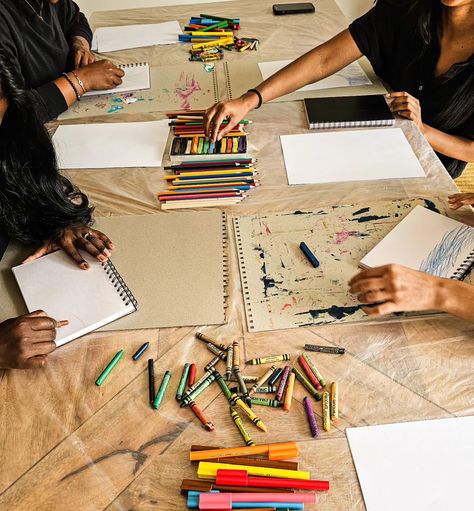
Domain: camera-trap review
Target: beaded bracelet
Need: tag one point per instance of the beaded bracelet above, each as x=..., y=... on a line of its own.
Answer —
x=71, y=83
x=260, y=99
x=79, y=81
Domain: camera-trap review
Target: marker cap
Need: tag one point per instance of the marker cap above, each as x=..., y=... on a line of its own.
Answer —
x=232, y=477
x=216, y=501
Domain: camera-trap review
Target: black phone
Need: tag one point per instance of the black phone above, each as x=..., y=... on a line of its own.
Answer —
x=280, y=9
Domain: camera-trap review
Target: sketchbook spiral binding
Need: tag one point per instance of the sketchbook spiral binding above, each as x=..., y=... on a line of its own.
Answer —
x=225, y=260
x=464, y=268
x=132, y=64
x=352, y=124
x=119, y=284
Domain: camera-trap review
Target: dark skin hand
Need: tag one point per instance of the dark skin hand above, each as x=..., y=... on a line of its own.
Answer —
x=26, y=341
x=74, y=238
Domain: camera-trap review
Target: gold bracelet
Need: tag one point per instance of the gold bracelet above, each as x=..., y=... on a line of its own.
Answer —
x=79, y=81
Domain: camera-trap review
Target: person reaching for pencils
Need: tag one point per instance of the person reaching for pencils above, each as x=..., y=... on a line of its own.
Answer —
x=423, y=49
x=37, y=206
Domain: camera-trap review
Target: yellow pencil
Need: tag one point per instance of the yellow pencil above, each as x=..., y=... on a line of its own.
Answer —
x=289, y=392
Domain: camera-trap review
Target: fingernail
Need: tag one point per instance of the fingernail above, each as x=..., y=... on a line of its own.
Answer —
x=84, y=266
x=111, y=245
x=63, y=322
x=106, y=252
x=102, y=258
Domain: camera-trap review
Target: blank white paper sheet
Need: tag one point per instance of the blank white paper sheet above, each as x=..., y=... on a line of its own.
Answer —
x=135, y=36
x=137, y=77
x=416, y=466
x=352, y=155
x=111, y=145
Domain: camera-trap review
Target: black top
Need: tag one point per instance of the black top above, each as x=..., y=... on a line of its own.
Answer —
x=3, y=242
x=387, y=36
x=40, y=49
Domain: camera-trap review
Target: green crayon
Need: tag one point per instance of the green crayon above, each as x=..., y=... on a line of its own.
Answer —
x=313, y=368
x=240, y=426
x=162, y=390
x=269, y=360
x=182, y=382
x=211, y=364
x=197, y=384
x=195, y=393
x=265, y=402
x=109, y=368
x=306, y=383
x=217, y=352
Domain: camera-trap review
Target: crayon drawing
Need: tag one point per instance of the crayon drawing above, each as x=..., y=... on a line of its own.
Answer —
x=444, y=256
x=282, y=289
x=186, y=86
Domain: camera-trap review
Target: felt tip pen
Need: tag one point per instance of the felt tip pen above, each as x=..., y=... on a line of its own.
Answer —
x=140, y=351
x=109, y=368
x=309, y=255
x=151, y=381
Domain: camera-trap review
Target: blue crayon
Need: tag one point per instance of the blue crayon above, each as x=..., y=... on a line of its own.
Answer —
x=309, y=255
x=140, y=351
x=275, y=376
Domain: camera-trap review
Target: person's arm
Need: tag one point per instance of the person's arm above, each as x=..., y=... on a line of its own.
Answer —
x=394, y=288
x=322, y=61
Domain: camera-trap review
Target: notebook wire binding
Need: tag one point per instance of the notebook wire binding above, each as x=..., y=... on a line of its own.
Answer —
x=119, y=284
x=352, y=124
x=464, y=268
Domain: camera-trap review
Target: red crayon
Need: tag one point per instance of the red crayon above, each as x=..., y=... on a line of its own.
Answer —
x=192, y=375
x=309, y=373
x=200, y=415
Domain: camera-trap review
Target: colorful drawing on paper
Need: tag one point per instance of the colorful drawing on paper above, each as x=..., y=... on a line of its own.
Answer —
x=185, y=88
x=282, y=289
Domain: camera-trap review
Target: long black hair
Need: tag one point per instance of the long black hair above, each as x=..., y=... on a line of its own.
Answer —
x=36, y=202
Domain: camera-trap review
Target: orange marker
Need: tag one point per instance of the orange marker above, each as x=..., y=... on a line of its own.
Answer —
x=279, y=451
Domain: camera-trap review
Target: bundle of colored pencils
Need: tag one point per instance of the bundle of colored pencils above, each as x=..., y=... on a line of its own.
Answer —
x=232, y=478
x=220, y=178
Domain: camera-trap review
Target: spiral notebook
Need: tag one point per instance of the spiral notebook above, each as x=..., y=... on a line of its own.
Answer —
x=137, y=77
x=99, y=295
x=427, y=241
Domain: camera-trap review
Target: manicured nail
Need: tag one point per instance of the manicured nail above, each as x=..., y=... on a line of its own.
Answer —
x=63, y=322
x=102, y=258
x=106, y=252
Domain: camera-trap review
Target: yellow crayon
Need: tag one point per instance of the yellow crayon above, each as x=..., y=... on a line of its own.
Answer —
x=334, y=401
x=262, y=380
x=210, y=44
x=289, y=392
x=269, y=360
x=250, y=413
x=326, y=412
x=218, y=34
x=240, y=426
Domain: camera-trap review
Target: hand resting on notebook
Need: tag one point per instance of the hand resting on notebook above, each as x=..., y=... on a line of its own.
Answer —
x=458, y=200
x=395, y=288
x=26, y=341
x=74, y=238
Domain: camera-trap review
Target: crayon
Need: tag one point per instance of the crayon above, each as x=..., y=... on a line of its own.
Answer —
x=223, y=385
x=207, y=339
x=140, y=351
x=161, y=391
x=334, y=401
x=283, y=382
x=211, y=364
x=196, y=392
x=306, y=383
x=103, y=375
x=230, y=362
x=314, y=369
x=269, y=389
x=275, y=376
x=238, y=422
x=326, y=412
x=243, y=387
x=313, y=426
x=261, y=401
x=151, y=381
x=182, y=382
x=246, y=378
x=269, y=360
x=216, y=351
x=289, y=392
x=250, y=413
x=334, y=350
x=192, y=375
x=309, y=255
x=304, y=365
x=200, y=415
x=262, y=380
x=196, y=384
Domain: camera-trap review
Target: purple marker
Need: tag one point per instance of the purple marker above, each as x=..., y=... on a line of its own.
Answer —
x=282, y=386
x=311, y=418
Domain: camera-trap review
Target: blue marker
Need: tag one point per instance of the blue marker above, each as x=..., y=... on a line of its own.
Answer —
x=309, y=255
x=140, y=351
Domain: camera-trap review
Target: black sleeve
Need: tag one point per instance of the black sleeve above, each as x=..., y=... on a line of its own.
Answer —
x=50, y=101
x=375, y=33
x=73, y=21
x=3, y=242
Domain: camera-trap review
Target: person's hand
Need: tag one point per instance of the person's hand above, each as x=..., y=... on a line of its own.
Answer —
x=458, y=200
x=100, y=75
x=81, y=52
x=26, y=341
x=232, y=111
x=74, y=238
x=406, y=106
x=394, y=288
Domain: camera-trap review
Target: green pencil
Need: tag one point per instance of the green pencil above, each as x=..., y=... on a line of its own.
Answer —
x=162, y=390
x=109, y=368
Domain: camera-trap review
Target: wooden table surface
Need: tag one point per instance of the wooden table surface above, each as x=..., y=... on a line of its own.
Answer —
x=69, y=445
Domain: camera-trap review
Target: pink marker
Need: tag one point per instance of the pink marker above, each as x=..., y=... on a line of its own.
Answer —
x=224, y=501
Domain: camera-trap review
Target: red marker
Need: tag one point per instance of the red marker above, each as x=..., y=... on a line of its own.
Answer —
x=192, y=375
x=241, y=478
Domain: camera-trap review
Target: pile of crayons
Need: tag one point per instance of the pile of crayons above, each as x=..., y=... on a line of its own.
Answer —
x=242, y=398
x=211, y=177
x=211, y=34
x=259, y=477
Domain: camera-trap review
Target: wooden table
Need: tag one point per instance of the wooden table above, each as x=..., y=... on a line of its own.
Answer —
x=69, y=445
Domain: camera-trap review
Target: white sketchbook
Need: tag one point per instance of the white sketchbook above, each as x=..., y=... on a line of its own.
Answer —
x=351, y=76
x=415, y=466
x=135, y=36
x=87, y=299
x=358, y=155
x=137, y=77
x=427, y=241
x=111, y=145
